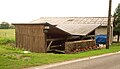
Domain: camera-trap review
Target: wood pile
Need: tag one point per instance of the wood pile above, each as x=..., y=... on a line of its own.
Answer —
x=80, y=46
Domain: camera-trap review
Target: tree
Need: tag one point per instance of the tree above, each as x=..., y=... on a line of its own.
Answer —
x=11, y=27
x=4, y=25
x=116, y=22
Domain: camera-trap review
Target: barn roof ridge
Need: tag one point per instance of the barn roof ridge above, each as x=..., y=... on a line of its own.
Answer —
x=74, y=20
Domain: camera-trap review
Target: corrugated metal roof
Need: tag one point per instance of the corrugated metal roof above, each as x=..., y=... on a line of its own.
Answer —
x=74, y=20
x=78, y=29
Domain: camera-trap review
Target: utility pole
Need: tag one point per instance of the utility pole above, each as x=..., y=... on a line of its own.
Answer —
x=109, y=24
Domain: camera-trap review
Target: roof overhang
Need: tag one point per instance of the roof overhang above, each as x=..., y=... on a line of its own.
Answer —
x=42, y=23
x=78, y=29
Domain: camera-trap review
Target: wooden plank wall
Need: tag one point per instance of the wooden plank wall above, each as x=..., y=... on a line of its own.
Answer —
x=31, y=37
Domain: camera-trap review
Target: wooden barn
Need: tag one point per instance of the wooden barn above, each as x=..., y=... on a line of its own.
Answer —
x=37, y=37
x=50, y=33
x=100, y=30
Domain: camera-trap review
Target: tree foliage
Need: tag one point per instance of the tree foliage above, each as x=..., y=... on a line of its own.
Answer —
x=117, y=21
x=6, y=25
x=11, y=27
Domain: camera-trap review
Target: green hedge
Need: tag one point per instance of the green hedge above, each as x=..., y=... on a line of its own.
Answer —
x=6, y=40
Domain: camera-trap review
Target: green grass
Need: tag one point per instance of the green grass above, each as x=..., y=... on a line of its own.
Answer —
x=14, y=58
x=7, y=33
x=7, y=36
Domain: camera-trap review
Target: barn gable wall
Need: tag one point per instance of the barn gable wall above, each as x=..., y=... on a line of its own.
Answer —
x=31, y=37
x=103, y=30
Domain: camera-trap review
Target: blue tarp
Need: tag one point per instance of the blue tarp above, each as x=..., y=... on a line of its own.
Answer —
x=101, y=39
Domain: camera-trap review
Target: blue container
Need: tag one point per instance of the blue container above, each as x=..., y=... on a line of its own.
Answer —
x=100, y=39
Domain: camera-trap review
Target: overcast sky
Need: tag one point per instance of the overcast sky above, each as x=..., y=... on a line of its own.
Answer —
x=27, y=10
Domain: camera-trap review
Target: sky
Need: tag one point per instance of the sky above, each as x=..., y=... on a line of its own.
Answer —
x=24, y=11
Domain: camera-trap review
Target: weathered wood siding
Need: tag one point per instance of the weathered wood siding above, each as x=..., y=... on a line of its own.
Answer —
x=31, y=37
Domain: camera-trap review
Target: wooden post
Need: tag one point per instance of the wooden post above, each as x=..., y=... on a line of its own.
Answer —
x=109, y=24
x=48, y=48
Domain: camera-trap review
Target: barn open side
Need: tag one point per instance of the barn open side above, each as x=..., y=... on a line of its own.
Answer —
x=44, y=37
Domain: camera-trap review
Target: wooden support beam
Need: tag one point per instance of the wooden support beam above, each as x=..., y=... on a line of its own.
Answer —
x=60, y=51
x=57, y=39
x=48, y=48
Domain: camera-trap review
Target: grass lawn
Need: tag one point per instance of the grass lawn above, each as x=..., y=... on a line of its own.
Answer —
x=7, y=33
x=14, y=58
x=7, y=36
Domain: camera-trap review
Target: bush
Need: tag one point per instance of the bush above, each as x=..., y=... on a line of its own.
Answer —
x=6, y=40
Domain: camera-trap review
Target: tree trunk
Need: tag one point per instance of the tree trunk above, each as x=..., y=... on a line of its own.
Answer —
x=118, y=37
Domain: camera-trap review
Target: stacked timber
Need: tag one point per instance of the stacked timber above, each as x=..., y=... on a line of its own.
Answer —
x=79, y=46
